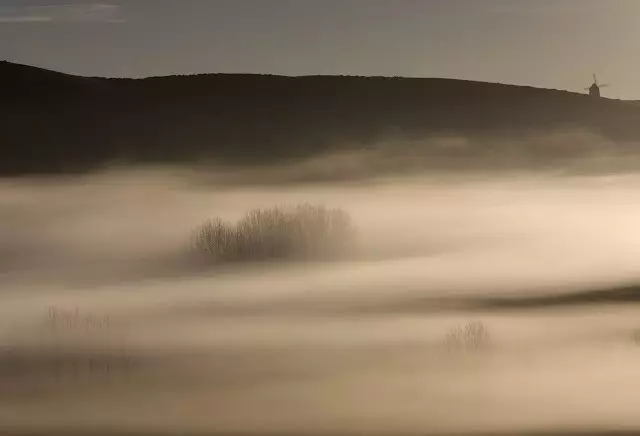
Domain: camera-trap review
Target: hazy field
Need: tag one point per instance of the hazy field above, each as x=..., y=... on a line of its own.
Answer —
x=356, y=345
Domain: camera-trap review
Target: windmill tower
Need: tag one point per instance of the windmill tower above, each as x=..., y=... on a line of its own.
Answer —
x=594, y=90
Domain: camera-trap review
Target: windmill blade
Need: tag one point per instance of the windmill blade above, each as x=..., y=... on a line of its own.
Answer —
x=603, y=86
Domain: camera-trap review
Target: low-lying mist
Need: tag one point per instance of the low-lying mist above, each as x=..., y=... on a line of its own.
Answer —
x=106, y=322
x=561, y=152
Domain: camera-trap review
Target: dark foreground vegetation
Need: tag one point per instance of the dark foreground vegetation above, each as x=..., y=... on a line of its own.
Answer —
x=52, y=122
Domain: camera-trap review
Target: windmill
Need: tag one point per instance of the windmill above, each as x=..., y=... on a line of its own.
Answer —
x=594, y=90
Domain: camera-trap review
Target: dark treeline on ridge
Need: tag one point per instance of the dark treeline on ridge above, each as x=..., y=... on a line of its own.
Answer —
x=52, y=122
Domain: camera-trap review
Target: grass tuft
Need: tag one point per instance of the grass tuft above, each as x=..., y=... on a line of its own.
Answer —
x=473, y=336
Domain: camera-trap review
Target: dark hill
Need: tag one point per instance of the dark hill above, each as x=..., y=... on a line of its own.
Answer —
x=22, y=81
x=53, y=122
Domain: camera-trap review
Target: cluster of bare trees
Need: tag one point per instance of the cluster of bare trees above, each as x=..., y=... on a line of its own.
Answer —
x=298, y=232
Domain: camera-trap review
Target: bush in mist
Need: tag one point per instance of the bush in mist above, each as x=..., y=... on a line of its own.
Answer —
x=63, y=319
x=79, y=344
x=473, y=336
x=300, y=232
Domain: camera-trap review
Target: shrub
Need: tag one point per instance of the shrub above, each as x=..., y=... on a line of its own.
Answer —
x=303, y=231
x=62, y=319
x=216, y=240
x=77, y=344
x=473, y=336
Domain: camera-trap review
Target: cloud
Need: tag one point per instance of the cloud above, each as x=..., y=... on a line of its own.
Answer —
x=67, y=13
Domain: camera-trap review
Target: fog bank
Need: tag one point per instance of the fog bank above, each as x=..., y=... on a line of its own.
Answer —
x=336, y=346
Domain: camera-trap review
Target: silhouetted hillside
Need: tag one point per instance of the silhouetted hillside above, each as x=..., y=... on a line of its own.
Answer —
x=52, y=122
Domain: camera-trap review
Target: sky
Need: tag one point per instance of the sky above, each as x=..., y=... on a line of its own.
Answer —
x=544, y=43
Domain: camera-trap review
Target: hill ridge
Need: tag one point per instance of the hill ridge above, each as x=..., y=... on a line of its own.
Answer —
x=55, y=122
